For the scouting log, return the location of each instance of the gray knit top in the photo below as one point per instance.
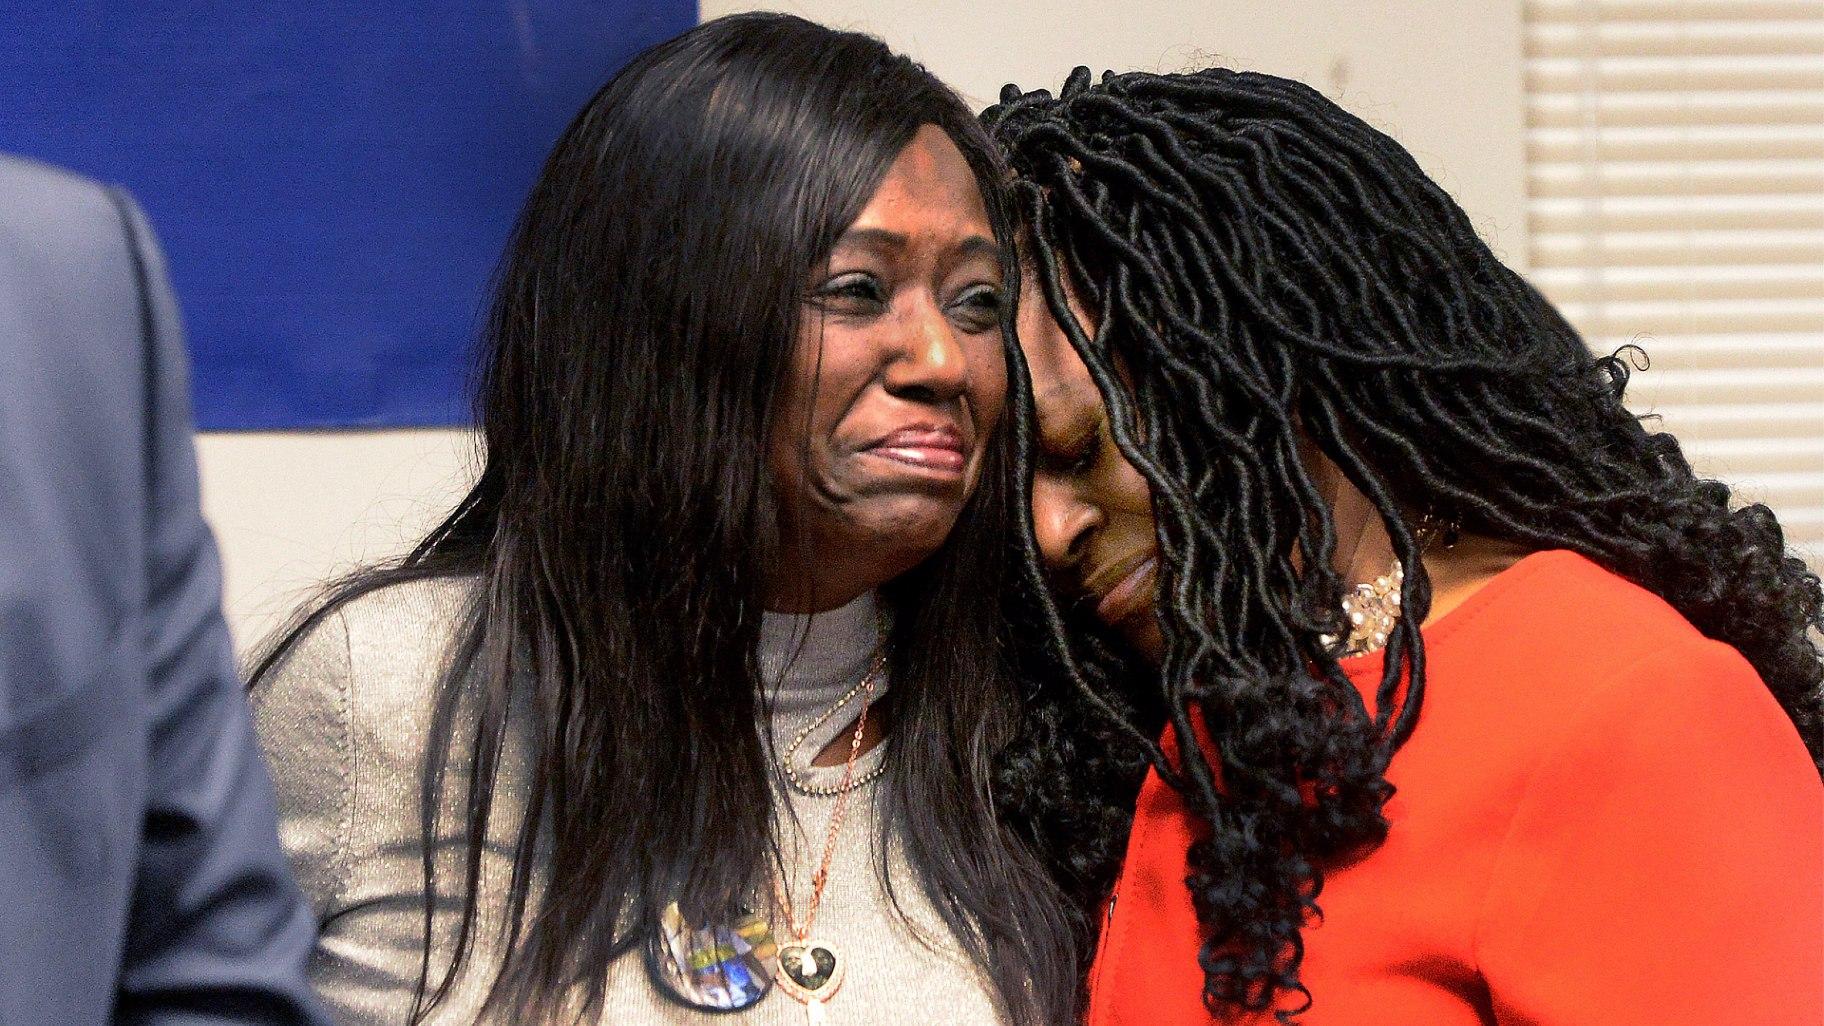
(344, 720)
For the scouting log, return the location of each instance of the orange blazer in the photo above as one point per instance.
(1602, 818)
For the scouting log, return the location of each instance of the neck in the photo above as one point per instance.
(805, 597)
(1364, 550)
(817, 577)
(816, 583)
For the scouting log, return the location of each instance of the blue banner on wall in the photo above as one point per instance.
(333, 181)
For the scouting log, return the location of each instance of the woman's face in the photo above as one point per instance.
(1092, 512)
(896, 385)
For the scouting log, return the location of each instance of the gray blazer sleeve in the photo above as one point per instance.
(218, 932)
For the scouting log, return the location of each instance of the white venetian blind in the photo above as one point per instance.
(1676, 199)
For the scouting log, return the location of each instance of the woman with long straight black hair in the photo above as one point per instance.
(686, 710)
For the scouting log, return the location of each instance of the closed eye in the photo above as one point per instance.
(982, 297)
(1079, 457)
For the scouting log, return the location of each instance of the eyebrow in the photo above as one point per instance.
(884, 238)
(981, 244)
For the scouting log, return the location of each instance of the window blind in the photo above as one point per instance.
(1676, 200)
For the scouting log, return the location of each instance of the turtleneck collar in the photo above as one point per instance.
(814, 651)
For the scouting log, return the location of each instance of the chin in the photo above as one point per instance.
(1145, 637)
(905, 531)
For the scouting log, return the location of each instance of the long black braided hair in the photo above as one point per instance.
(1268, 271)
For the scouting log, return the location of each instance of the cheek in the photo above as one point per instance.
(831, 367)
(987, 382)
(1125, 491)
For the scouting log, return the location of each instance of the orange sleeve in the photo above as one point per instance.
(1665, 864)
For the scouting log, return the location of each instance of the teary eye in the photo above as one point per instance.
(849, 291)
(981, 305)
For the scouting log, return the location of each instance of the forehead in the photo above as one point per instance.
(1062, 389)
(929, 188)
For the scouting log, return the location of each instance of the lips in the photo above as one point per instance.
(939, 449)
(1126, 588)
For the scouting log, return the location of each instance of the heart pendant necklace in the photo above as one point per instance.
(811, 970)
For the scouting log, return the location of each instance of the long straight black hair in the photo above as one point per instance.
(623, 525)
(1266, 269)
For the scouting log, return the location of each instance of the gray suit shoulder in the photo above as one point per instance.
(30, 182)
(56, 208)
(76, 265)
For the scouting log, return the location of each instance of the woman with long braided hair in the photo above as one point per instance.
(1474, 704)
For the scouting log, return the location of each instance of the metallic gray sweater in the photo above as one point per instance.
(344, 721)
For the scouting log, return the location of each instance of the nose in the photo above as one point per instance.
(1062, 522)
(931, 366)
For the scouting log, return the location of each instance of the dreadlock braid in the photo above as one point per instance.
(1267, 271)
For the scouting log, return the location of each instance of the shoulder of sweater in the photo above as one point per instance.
(1557, 624)
(399, 644)
(1673, 804)
(1558, 654)
(371, 669)
(1581, 666)
(399, 636)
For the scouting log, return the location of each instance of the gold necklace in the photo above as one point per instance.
(790, 755)
(811, 970)
(1372, 609)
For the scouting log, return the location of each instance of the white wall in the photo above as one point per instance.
(291, 510)
(1443, 76)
